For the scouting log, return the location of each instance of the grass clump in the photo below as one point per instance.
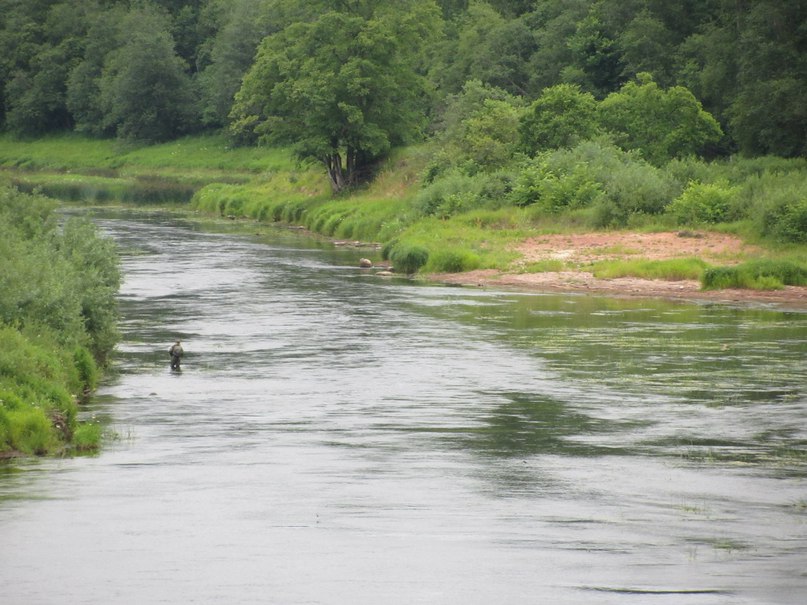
(675, 269)
(453, 261)
(408, 258)
(763, 274)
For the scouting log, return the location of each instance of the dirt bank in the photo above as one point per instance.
(582, 249)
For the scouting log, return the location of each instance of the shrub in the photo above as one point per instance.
(453, 261)
(782, 213)
(408, 258)
(595, 174)
(703, 203)
(87, 368)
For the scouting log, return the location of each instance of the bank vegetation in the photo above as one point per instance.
(58, 316)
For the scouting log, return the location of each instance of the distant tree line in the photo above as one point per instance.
(343, 81)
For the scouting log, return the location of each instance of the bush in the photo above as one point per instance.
(703, 203)
(594, 174)
(408, 258)
(782, 211)
(453, 261)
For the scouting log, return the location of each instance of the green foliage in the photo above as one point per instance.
(145, 93)
(704, 203)
(407, 258)
(764, 274)
(87, 437)
(455, 193)
(452, 261)
(562, 116)
(662, 124)
(57, 305)
(478, 130)
(778, 205)
(86, 367)
(593, 174)
(29, 432)
(767, 111)
(342, 88)
(671, 269)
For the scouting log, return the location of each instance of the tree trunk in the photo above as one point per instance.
(333, 162)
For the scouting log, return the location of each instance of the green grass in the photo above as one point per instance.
(671, 269)
(762, 274)
(204, 153)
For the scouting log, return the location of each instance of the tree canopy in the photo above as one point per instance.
(343, 88)
(345, 81)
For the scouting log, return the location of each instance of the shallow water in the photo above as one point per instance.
(336, 437)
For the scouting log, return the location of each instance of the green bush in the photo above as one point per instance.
(782, 212)
(57, 309)
(596, 174)
(703, 203)
(408, 258)
(453, 261)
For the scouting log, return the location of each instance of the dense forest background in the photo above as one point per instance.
(610, 113)
(155, 70)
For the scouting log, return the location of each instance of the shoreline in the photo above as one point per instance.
(582, 282)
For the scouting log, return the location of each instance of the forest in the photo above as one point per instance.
(344, 81)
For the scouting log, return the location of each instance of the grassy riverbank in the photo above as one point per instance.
(429, 220)
(58, 317)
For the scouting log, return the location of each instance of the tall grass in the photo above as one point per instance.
(763, 274)
(675, 269)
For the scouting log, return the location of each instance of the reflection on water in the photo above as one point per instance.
(339, 438)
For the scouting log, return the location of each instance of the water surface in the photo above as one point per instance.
(336, 437)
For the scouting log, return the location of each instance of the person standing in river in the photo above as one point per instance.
(176, 354)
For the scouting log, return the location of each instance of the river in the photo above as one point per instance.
(336, 437)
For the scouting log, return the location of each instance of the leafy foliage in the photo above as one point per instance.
(562, 116)
(662, 124)
(704, 203)
(57, 308)
(342, 88)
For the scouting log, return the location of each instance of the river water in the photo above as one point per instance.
(336, 437)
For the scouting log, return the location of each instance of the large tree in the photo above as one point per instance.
(662, 124)
(145, 92)
(342, 88)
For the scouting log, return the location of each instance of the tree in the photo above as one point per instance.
(44, 41)
(597, 63)
(769, 113)
(145, 93)
(343, 88)
(562, 116)
(232, 52)
(662, 124)
(488, 47)
(104, 35)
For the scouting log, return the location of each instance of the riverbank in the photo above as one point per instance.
(586, 249)
(457, 240)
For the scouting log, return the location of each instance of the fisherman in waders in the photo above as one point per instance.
(176, 354)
